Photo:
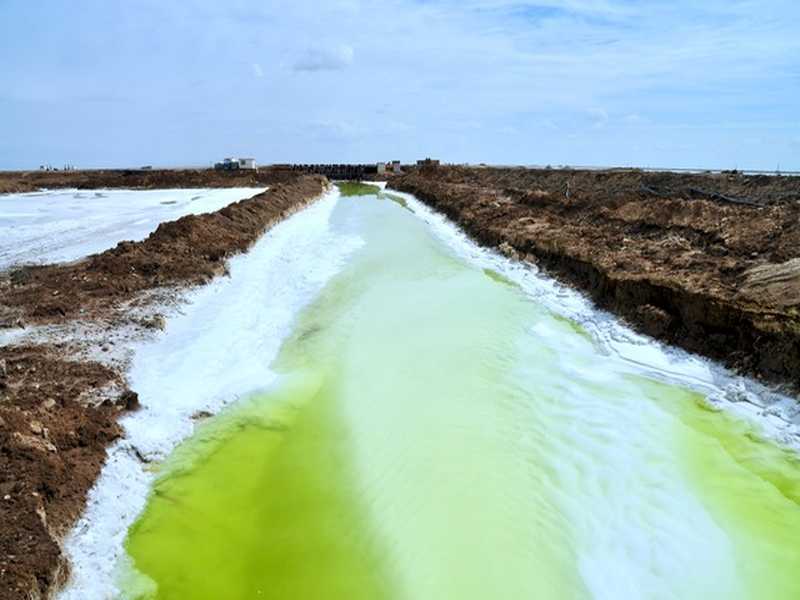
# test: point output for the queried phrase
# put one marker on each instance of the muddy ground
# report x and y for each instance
(706, 262)
(58, 407)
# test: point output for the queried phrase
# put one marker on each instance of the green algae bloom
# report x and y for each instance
(354, 188)
(433, 433)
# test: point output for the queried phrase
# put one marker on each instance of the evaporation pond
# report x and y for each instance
(434, 433)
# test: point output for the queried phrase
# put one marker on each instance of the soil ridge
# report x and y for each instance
(715, 273)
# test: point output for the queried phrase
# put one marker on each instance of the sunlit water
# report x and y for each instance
(437, 433)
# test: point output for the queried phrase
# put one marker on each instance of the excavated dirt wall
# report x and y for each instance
(58, 412)
(706, 262)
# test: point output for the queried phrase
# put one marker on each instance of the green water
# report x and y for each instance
(355, 188)
(435, 433)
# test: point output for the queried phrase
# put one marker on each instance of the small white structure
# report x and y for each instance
(396, 166)
(235, 164)
(381, 168)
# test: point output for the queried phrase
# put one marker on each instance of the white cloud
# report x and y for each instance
(332, 58)
(704, 74)
(598, 117)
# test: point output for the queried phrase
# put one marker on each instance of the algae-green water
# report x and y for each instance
(434, 432)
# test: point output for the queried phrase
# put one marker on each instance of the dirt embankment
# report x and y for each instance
(31, 181)
(58, 413)
(706, 262)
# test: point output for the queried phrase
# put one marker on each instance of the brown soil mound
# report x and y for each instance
(704, 262)
(31, 181)
(52, 446)
(57, 415)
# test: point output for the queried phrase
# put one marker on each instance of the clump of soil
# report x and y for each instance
(58, 414)
(53, 435)
(705, 262)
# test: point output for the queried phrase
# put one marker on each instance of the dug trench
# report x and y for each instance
(708, 263)
(58, 409)
(705, 262)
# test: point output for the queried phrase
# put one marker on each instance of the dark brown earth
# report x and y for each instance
(31, 181)
(706, 262)
(52, 447)
(58, 414)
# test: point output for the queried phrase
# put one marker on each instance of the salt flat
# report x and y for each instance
(65, 225)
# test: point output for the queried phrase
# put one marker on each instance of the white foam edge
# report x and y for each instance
(772, 414)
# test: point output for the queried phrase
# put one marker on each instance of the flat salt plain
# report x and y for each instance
(65, 225)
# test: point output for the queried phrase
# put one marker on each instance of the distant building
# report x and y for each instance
(396, 166)
(428, 162)
(381, 168)
(235, 164)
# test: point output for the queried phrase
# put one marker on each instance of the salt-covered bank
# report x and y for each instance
(218, 349)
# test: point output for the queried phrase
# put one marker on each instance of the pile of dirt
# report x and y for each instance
(31, 181)
(58, 414)
(705, 262)
(622, 184)
(53, 435)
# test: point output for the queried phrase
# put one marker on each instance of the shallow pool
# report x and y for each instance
(436, 432)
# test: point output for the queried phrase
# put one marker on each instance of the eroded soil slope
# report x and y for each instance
(58, 413)
(707, 262)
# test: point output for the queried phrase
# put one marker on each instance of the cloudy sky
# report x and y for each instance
(661, 83)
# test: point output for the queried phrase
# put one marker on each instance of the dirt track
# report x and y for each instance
(58, 411)
(707, 262)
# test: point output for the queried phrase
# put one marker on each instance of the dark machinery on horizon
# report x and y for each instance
(347, 172)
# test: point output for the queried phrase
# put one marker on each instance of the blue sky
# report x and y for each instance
(673, 83)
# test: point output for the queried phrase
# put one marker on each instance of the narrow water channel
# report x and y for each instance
(435, 432)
